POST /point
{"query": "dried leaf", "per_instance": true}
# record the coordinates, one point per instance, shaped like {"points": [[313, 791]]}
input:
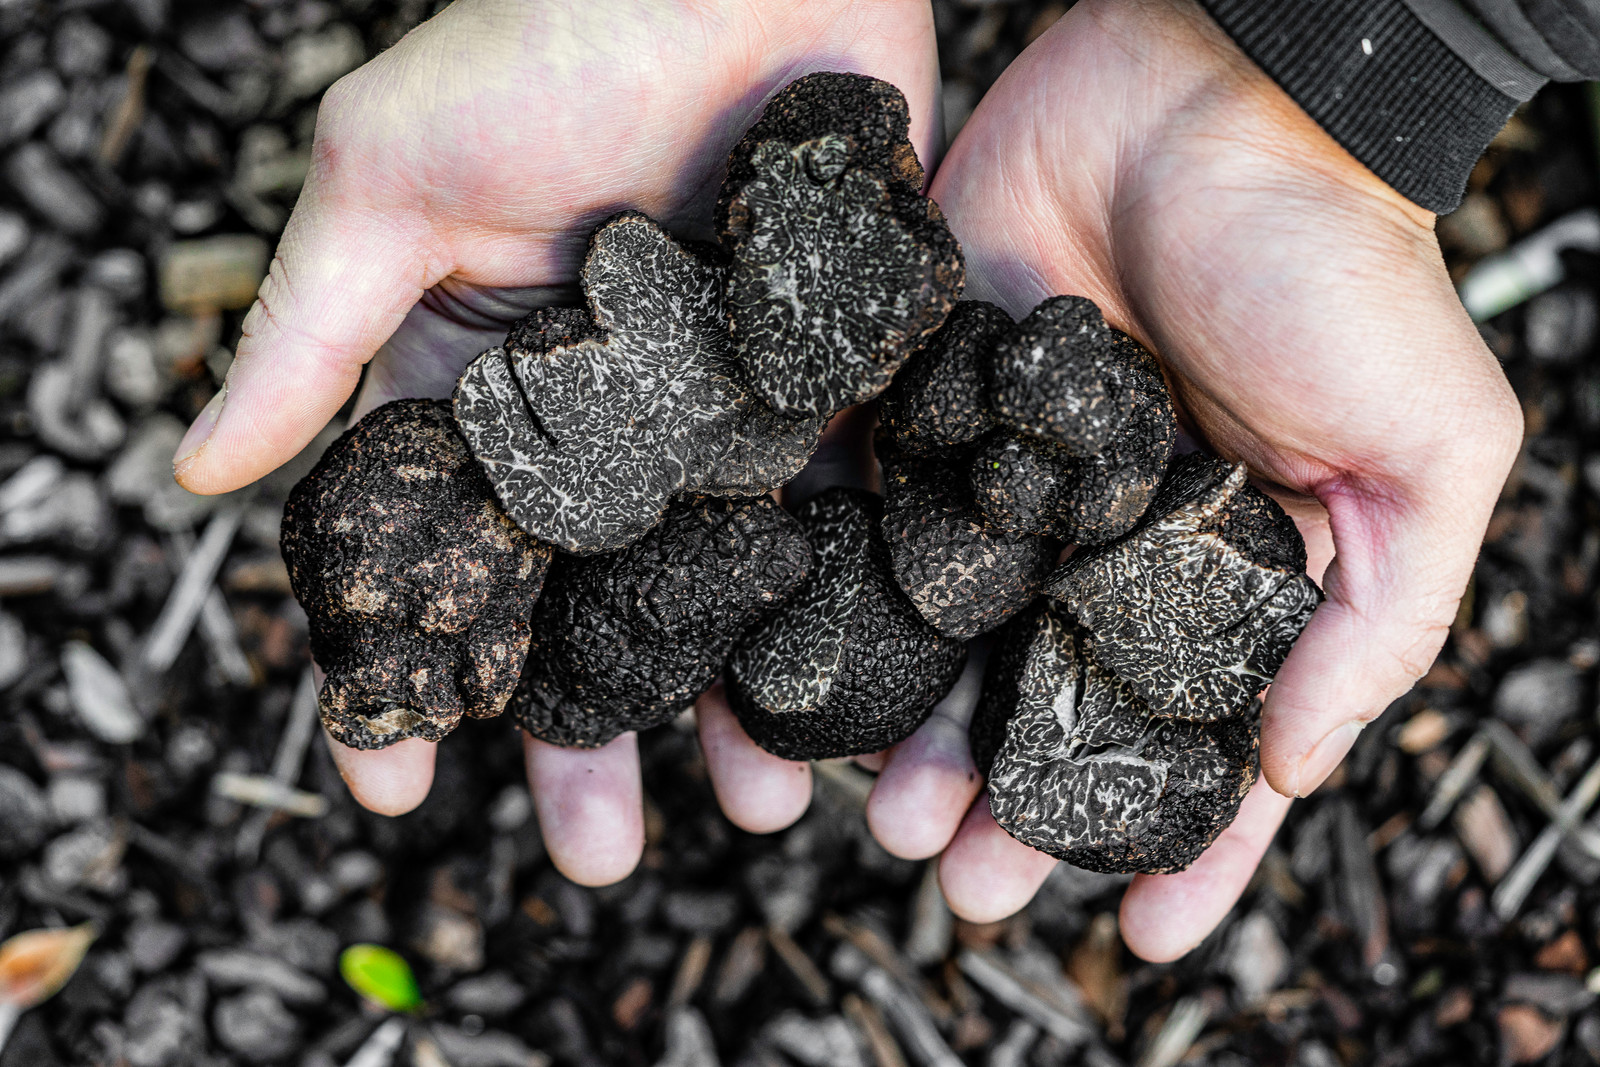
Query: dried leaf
{"points": [[36, 964]]}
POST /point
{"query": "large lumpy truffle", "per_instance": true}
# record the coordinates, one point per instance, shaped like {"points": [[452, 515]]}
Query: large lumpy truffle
{"points": [[1080, 768], [417, 587], [964, 576], [840, 266], [1198, 606], [627, 640], [1091, 422], [589, 423], [849, 666]]}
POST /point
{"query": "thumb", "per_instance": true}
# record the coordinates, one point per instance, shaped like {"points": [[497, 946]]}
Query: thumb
{"points": [[342, 280], [1399, 571]]}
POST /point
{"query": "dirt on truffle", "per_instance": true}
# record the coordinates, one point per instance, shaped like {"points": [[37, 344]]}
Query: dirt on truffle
{"points": [[849, 666], [417, 587], [628, 640]]}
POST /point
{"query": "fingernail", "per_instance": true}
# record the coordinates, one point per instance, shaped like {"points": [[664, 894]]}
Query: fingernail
{"points": [[1320, 761], [200, 431]]}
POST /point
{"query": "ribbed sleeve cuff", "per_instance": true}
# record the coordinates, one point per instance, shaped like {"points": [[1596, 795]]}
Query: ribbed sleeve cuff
{"points": [[1382, 84]]}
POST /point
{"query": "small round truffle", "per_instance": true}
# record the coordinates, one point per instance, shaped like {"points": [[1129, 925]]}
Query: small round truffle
{"points": [[628, 640], [1080, 768], [1091, 427], [849, 666], [1198, 606], [965, 576], [839, 266], [940, 399], [588, 423], [417, 587]]}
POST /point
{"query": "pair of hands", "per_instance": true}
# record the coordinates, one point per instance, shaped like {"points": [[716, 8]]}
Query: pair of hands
{"points": [[1133, 155]]}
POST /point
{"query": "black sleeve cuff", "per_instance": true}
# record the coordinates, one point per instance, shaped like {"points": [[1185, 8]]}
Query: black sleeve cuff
{"points": [[1384, 85]]}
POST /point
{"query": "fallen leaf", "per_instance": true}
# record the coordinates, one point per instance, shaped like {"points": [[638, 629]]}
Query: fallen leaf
{"points": [[36, 964]]}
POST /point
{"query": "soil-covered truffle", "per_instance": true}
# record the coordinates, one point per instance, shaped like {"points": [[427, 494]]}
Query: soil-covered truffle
{"points": [[588, 423], [940, 399], [1081, 769], [1198, 606], [965, 576], [627, 640], [839, 265], [1092, 425], [417, 587], [849, 666]]}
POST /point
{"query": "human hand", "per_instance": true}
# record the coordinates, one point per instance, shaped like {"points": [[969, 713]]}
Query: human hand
{"points": [[455, 181], [1302, 312]]}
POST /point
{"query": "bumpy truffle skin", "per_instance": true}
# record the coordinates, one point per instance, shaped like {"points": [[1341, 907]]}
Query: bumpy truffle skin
{"points": [[1080, 769], [839, 266], [589, 423], [416, 585], [627, 640], [1092, 425], [1199, 605], [964, 576], [939, 399], [848, 666]]}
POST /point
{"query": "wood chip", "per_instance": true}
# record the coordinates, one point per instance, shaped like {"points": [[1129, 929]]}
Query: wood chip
{"points": [[800, 965], [100, 696], [874, 1032], [1484, 828]]}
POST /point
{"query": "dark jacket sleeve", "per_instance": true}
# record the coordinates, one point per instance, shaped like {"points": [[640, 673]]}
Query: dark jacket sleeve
{"points": [[1415, 89]]}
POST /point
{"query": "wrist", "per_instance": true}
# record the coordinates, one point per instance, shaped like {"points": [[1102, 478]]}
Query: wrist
{"points": [[1211, 91]]}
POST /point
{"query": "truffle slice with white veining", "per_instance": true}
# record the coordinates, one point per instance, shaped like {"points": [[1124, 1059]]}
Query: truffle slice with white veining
{"points": [[840, 267], [848, 666], [1199, 604], [628, 639], [965, 576], [940, 399], [588, 423], [1080, 768], [1092, 427], [416, 586]]}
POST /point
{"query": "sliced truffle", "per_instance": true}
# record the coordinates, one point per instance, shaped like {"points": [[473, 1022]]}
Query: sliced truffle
{"points": [[839, 265], [627, 640], [417, 587], [849, 666], [964, 576], [1092, 422], [1080, 768], [1199, 605], [939, 400], [589, 423]]}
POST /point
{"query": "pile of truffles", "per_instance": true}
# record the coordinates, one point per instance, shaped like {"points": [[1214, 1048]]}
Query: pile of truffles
{"points": [[620, 457]]}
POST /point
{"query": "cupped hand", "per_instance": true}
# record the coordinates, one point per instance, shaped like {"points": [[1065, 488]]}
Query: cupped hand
{"points": [[454, 183], [1302, 313]]}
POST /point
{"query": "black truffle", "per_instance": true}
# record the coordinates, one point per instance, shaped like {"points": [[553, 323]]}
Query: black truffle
{"points": [[1092, 421], [840, 266], [1080, 768], [627, 640], [1199, 604], [849, 666], [589, 423], [964, 576], [940, 399], [417, 587]]}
